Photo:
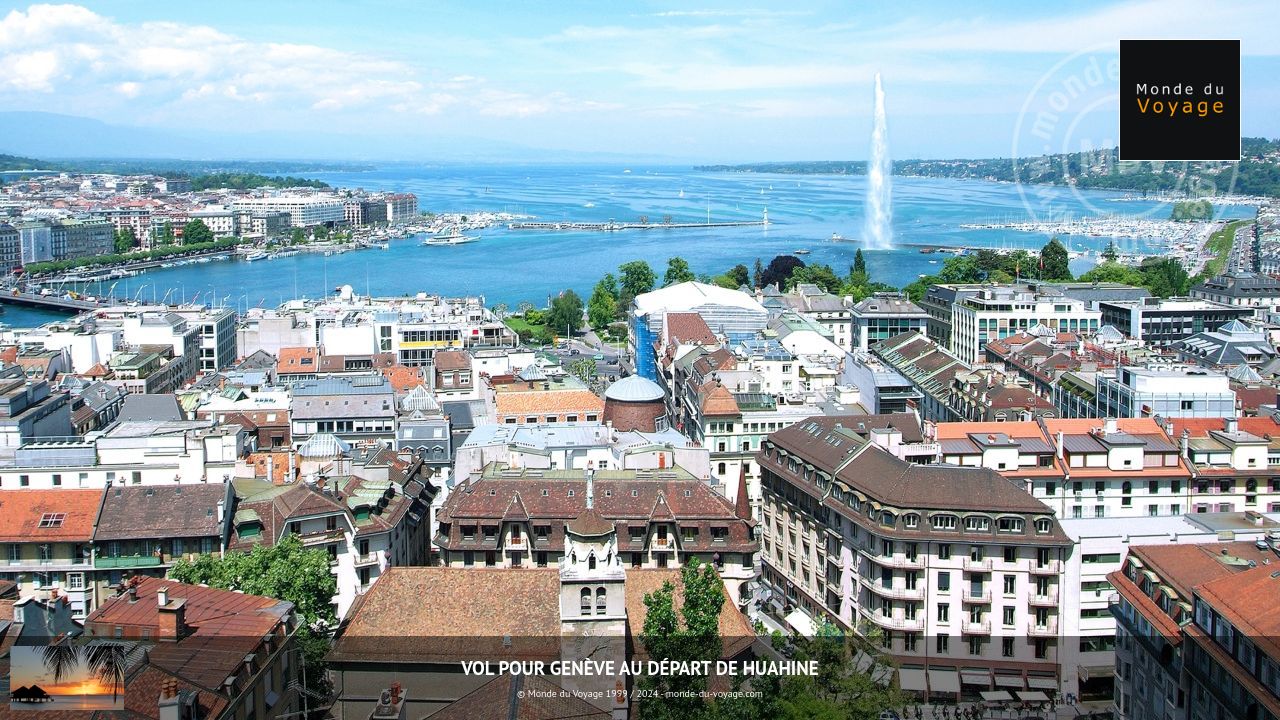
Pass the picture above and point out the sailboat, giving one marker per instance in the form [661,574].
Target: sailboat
[681,192]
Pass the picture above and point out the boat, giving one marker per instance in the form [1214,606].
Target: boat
[928,250]
[802,252]
[451,238]
[836,237]
[255,255]
[589,205]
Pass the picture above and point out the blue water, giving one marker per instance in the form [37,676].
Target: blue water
[514,265]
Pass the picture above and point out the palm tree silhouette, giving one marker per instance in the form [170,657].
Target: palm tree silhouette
[106,660]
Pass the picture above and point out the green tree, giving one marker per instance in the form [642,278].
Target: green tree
[196,232]
[166,235]
[821,275]
[853,679]
[565,313]
[584,368]
[1054,261]
[602,308]
[739,274]
[1111,254]
[321,232]
[637,278]
[757,274]
[696,639]
[286,571]
[125,241]
[779,271]
[859,262]
[677,272]
[297,236]
[1165,277]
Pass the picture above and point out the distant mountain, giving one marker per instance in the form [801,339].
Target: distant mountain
[54,136]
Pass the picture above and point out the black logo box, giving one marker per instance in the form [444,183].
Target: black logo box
[1185,67]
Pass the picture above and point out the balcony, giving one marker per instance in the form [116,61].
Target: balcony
[663,544]
[1048,628]
[982,627]
[1043,600]
[128,561]
[50,564]
[324,537]
[972,565]
[368,559]
[517,543]
[977,596]
[893,561]
[896,593]
[897,623]
[1052,567]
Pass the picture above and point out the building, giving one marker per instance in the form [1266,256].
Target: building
[1164,390]
[451,374]
[1164,321]
[352,408]
[724,311]
[30,410]
[1195,629]
[401,207]
[366,523]
[881,389]
[65,239]
[222,222]
[304,210]
[48,540]
[10,248]
[828,310]
[1229,346]
[264,223]
[997,312]
[1235,463]
[133,216]
[210,654]
[882,316]
[635,403]
[929,367]
[1260,293]
[958,568]
[531,397]
[517,516]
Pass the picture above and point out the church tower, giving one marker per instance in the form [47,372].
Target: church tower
[593,605]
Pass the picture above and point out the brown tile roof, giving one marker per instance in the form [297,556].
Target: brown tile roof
[520,697]
[1200,427]
[279,467]
[687,328]
[298,360]
[717,400]
[549,402]
[163,511]
[736,633]
[402,378]
[452,360]
[589,523]
[143,689]
[1183,566]
[23,512]
[1248,600]
[98,371]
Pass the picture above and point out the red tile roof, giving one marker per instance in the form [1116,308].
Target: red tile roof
[63,515]
[684,328]
[1200,427]
[402,378]
[298,360]
[452,360]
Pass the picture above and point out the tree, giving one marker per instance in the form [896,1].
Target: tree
[779,271]
[677,272]
[125,241]
[821,275]
[196,232]
[297,236]
[853,678]
[565,313]
[696,639]
[757,274]
[584,368]
[602,308]
[286,571]
[1054,261]
[501,310]
[1113,272]
[1110,254]
[320,232]
[166,235]
[739,275]
[859,262]
[637,278]
[1165,277]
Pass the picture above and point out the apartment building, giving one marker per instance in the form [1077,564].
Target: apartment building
[48,543]
[813,303]
[10,248]
[1164,321]
[401,207]
[1163,390]
[958,568]
[211,654]
[996,312]
[304,210]
[929,367]
[1255,291]
[517,517]
[1195,629]
[882,316]
[352,408]
[1235,463]
[30,410]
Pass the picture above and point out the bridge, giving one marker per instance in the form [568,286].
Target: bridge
[51,302]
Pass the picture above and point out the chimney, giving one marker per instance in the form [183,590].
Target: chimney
[591,486]
[170,703]
[1185,443]
[222,510]
[173,620]
[1058,451]
[1110,426]
[133,594]
[162,596]
[391,704]
[1232,424]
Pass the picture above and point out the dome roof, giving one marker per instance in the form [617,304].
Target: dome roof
[323,445]
[634,388]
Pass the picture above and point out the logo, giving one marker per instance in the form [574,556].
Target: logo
[1180,100]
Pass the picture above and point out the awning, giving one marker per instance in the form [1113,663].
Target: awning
[996,696]
[801,623]
[1014,681]
[1044,683]
[944,681]
[1033,696]
[976,677]
[911,679]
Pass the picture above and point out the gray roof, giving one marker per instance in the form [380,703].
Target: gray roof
[634,388]
[150,408]
[360,385]
[324,445]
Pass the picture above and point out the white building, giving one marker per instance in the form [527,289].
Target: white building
[222,222]
[304,210]
[1164,390]
[997,312]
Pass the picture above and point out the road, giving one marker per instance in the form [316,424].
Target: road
[608,366]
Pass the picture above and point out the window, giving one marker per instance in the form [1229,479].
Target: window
[1011,525]
[601,603]
[57,480]
[944,581]
[24,481]
[1008,617]
[490,558]
[942,644]
[944,551]
[944,613]
[584,606]
[1010,554]
[51,520]
[1006,647]
[1010,584]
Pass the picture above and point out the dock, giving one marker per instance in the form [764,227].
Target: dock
[52,302]
[613,226]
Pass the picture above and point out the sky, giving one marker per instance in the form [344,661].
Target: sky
[687,80]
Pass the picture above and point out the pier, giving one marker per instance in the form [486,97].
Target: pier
[612,226]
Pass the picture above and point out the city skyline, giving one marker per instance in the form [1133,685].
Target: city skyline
[711,82]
